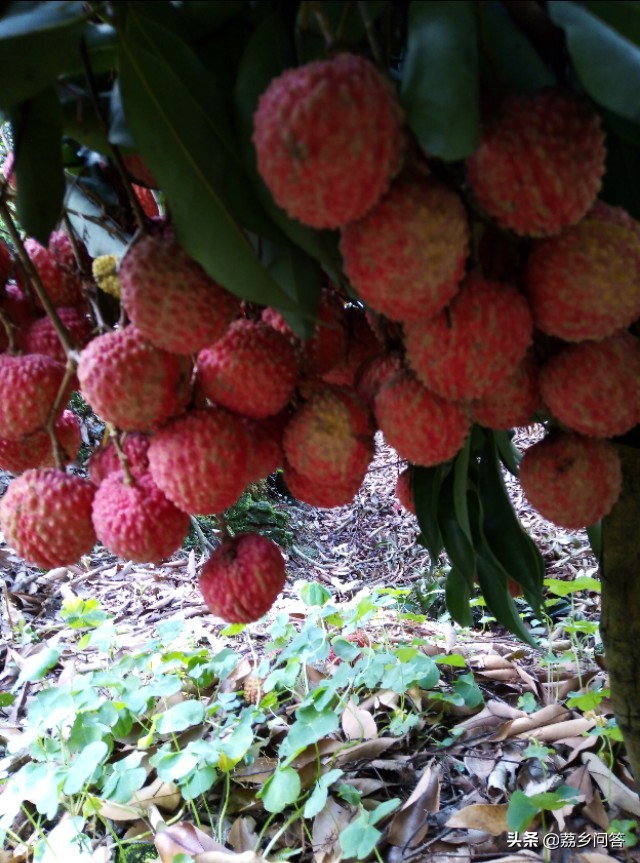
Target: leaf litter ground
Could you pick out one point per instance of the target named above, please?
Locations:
(355, 721)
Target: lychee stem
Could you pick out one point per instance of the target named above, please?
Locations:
(114, 151)
(204, 542)
(8, 328)
(371, 35)
(122, 456)
(60, 398)
(324, 23)
(38, 287)
(77, 254)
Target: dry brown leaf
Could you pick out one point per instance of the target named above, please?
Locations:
(527, 725)
(242, 835)
(491, 662)
(489, 817)
(258, 772)
(615, 791)
(101, 855)
(593, 857)
(410, 824)
(230, 857)
(363, 751)
(165, 795)
(596, 812)
(327, 827)
(480, 767)
(120, 811)
(562, 730)
(184, 838)
(358, 724)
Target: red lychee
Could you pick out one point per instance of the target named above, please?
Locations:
(137, 521)
(422, 427)
(35, 450)
(361, 346)
(326, 495)
(571, 480)
(139, 170)
(374, 373)
(58, 270)
(147, 201)
(169, 297)
(594, 387)
(540, 163)
(265, 446)
(242, 578)
(17, 306)
(28, 388)
(585, 283)
(513, 401)
(6, 262)
(201, 460)
(328, 138)
(329, 439)
(41, 337)
(45, 515)
(474, 344)
(406, 257)
(131, 383)
(105, 461)
(252, 370)
(404, 489)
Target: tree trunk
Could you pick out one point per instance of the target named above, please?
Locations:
(620, 621)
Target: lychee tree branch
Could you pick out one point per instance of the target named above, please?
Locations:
(115, 435)
(37, 285)
(60, 399)
(8, 328)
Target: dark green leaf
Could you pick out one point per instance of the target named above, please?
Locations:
(101, 44)
(607, 63)
(457, 541)
(509, 453)
(509, 542)
(457, 594)
(174, 133)
(426, 485)
(267, 55)
(300, 278)
(493, 583)
(623, 15)
(440, 78)
(511, 56)
(36, 127)
(594, 532)
(36, 41)
(282, 789)
(622, 176)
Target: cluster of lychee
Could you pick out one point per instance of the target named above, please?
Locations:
(204, 394)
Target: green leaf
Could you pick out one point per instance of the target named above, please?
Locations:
(426, 484)
(318, 797)
(493, 583)
(182, 139)
(560, 587)
(622, 15)
(520, 812)
(467, 687)
(267, 54)
(79, 613)
(186, 714)
(310, 726)
(594, 532)
(300, 278)
(198, 782)
(84, 765)
(510, 455)
(36, 126)
(360, 838)
(172, 766)
(36, 42)
(457, 541)
(512, 57)
(607, 62)
(384, 809)
(314, 593)
(281, 790)
(457, 594)
(36, 667)
(440, 78)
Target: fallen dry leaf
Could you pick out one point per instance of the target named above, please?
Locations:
(613, 789)
(327, 827)
(358, 724)
(184, 838)
(489, 817)
(410, 824)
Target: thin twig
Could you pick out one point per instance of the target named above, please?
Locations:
(325, 24)
(122, 456)
(371, 33)
(60, 399)
(8, 327)
(204, 542)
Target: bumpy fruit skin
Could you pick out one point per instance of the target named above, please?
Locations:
(474, 344)
(265, 446)
(6, 262)
(328, 138)
(28, 388)
(35, 450)
(513, 401)
(45, 515)
(137, 521)
(362, 345)
(594, 387)
(56, 265)
(406, 257)
(17, 306)
(404, 490)
(422, 427)
(311, 489)
(131, 383)
(585, 283)
(330, 438)
(252, 370)
(200, 460)
(540, 163)
(571, 480)
(105, 461)
(170, 298)
(242, 578)
(374, 373)
(41, 337)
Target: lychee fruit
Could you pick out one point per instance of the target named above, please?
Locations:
(473, 344)
(585, 283)
(131, 383)
(42, 338)
(57, 267)
(17, 306)
(421, 426)
(29, 386)
(105, 460)
(374, 373)
(35, 450)
(243, 578)
(406, 257)
(326, 495)
(169, 297)
(361, 346)
(147, 201)
(136, 521)
(330, 437)
(404, 489)
(328, 138)
(201, 460)
(571, 480)
(45, 515)
(139, 170)
(540, 164)
(252, 370)
(594, 387)
(513, 401)
(265, 446)
(6, 262)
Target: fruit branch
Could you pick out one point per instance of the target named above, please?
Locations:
(204, 542)
(59, 401)
(115, 435)
(371, 34)
(38, 287)
(325, 25)
(8, 327)
(114, 151)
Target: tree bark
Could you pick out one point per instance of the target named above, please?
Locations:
(620, 620)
